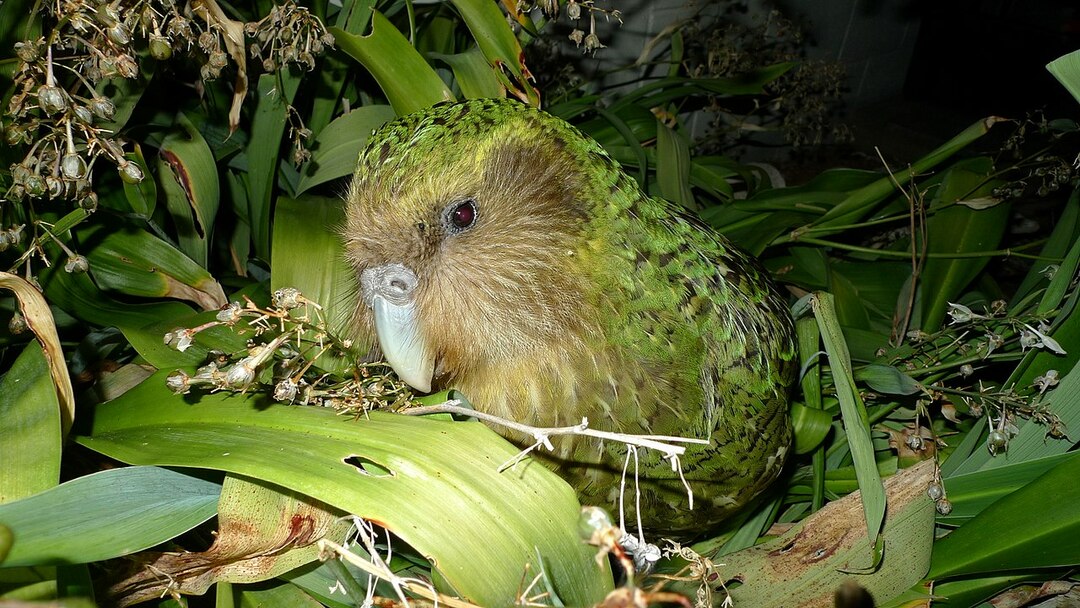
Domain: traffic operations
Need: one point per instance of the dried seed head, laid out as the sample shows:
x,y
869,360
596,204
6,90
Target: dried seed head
x,y
34,185
28,51
997,442
241,375
130,172
119,34
89,202
73,166
160,47
179,382
102,107
17,324
82,115
52,100
286,391
77,264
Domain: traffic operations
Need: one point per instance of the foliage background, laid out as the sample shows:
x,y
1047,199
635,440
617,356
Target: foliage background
x,y
916,347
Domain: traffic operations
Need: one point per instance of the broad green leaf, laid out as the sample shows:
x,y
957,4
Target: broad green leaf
x,y
30,434
1017,538
276,92
473,74
336,149
811,427
856,424
306,230
673,166
500,46
806,565
136,263
1062,239
1067,71
107,514
887,379
78,296
188,177
971,493
958,229
408,82
284,595
443,494
39,319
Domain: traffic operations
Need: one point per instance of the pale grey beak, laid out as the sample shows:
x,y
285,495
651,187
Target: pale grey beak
x,y
388,290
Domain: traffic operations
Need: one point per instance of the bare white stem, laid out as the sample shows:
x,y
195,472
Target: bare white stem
x,y
660,443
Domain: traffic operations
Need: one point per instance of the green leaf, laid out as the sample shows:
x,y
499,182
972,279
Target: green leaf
x,y
105,515
276,92
673,166
29,427
473,74
188,177
1067,71
1017,538
856,423
336,149
141,197
137,263
443,495
972,493
78,296
887,379
812,425
958,229
408,82
859,202
305,230
500,46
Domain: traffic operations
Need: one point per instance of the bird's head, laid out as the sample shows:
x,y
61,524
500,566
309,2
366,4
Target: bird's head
x,y
468,229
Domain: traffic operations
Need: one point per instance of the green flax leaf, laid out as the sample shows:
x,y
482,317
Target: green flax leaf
x,y
408,82
29,428
856,423
441,492
1019,539
105,515
336,149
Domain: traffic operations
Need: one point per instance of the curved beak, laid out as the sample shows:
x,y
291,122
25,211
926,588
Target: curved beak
x,y
388,290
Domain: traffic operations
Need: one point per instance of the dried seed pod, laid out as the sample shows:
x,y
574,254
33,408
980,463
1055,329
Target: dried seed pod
x,y
160,48
72,166
34,185
52,100
77,264
82,114
130,172
119,34
102,107
935,491
943,506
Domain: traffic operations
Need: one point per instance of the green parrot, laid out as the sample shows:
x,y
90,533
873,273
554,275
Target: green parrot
x,y
501,252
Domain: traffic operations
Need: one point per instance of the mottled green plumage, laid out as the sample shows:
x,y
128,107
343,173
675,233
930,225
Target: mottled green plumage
x,y
574,294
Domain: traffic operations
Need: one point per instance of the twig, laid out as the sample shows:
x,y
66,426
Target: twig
x,y
425,591
661,443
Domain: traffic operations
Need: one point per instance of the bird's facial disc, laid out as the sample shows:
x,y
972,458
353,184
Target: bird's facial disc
x,y
388,290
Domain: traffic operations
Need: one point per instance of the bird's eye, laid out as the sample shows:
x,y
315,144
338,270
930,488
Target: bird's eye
x,y
461,215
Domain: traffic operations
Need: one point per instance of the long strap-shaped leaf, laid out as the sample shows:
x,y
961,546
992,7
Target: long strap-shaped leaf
x,y
435,484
